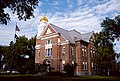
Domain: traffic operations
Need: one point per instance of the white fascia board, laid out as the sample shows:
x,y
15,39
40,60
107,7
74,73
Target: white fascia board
x,y
49,36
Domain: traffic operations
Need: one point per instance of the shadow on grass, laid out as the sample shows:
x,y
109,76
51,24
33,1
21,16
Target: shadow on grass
x,y
56,78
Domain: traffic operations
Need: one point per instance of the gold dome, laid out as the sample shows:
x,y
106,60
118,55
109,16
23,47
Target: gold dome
x,y
44,18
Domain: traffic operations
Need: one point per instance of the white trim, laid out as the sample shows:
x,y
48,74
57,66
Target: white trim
x,y
44,30
64,42
49,36
37,46
57,32
47,46
48,31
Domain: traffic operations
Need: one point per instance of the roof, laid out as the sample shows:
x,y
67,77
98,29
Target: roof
x,y
86,37
69,35
74,33
63,32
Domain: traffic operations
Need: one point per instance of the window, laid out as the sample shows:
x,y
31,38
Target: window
x,y
84,50
38,53
49,52
63,64
63,51
92,52
48,48
72,52
48,42
84,65
92,66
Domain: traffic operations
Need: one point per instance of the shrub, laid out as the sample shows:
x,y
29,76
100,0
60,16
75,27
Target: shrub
x,y
69,69
22,70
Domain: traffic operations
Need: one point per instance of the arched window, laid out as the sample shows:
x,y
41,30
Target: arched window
x,y
48,42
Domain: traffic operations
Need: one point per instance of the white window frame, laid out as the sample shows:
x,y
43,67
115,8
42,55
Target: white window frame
x,y
63,51
48,52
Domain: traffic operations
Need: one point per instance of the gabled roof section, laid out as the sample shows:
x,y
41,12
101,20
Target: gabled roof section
x,y
69,35
86,37
63,32
74,33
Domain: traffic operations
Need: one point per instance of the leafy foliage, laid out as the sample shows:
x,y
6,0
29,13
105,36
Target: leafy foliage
x,y
104,49
112,26
69,69
15,54
22,8
104,43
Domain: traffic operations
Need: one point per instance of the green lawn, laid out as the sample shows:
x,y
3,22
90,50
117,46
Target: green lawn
x,y
56,78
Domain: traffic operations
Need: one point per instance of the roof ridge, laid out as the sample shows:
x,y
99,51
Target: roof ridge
x,y
64,33
58,27
87,32
75,31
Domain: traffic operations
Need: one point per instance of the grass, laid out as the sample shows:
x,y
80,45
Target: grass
x,y
15,75
29,77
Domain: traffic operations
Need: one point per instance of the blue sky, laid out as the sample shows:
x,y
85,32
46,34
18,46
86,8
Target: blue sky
x,y
82,15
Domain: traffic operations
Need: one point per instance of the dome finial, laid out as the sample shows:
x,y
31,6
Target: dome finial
x,y
44,18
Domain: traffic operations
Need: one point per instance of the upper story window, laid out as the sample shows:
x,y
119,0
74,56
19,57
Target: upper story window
x,y
92,52
48,42
48,48
63,51
84,50
49,52
72,50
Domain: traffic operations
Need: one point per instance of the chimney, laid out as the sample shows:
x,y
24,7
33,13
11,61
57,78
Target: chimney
x,y
75,38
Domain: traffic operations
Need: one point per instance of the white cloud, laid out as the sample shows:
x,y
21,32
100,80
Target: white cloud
x,y
28,28
79,20
111,6
84,20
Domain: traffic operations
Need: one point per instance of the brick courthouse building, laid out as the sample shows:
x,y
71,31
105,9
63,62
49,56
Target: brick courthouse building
x,y
60,46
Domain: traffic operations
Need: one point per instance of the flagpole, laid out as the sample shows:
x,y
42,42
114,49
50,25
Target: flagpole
x,y
14,41
15,33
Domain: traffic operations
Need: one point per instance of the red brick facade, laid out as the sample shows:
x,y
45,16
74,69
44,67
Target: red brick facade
x,y
55,47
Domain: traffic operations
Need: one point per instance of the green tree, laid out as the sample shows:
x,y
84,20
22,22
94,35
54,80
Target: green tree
x,y
15,54
30,64
1,57
5,52
22,8
112,27
105,53
25,47
104,43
